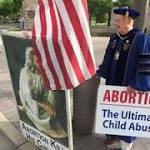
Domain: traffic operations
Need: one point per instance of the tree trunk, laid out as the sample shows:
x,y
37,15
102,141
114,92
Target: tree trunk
x,y
109,18
142,6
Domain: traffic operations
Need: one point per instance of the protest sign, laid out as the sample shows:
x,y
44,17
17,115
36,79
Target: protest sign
x,y
122,113
43,116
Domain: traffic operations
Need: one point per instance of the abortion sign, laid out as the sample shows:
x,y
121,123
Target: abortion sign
x,y
122,113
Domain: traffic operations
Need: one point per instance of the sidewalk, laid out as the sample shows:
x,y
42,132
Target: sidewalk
x,y
10,135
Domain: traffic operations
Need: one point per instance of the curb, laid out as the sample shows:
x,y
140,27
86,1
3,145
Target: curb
x,y
10,131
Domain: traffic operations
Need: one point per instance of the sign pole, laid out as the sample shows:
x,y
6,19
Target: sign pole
x,y
68,108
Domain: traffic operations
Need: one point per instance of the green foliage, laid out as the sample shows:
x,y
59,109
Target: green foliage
x,y
124,3
17,4
6,7
10,7
99,9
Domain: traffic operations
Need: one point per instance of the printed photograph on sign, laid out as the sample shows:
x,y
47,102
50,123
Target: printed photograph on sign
x,y
42,112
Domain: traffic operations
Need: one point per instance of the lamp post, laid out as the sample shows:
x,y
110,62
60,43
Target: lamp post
x,y
142,7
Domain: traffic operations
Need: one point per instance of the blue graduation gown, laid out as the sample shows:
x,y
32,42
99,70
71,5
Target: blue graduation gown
x,y
127,62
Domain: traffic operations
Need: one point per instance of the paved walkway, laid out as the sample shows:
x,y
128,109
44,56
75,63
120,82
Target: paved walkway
x,y
10,136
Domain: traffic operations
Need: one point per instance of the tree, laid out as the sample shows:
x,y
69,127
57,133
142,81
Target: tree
x,y
124,3
91,5
6,7
99,9
17,5
10,7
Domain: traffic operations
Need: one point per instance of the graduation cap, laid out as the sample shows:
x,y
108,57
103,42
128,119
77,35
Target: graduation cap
x,y
126,11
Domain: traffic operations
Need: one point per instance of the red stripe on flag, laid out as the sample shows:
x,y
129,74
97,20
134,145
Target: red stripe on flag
x,y
44,41
57,47
84,3
39,59
71,55
80,35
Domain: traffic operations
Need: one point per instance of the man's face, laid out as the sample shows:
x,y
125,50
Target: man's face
x,y
120,23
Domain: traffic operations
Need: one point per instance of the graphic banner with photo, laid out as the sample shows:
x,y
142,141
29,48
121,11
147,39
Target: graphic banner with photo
x,y
122,113
43,116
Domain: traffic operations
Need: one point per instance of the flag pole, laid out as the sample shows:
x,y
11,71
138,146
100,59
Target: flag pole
x,y
69,118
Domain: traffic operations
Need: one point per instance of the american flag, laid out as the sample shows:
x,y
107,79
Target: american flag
x,y
62,43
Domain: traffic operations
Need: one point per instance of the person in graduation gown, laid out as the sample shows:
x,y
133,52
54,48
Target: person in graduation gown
x,y
126,62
